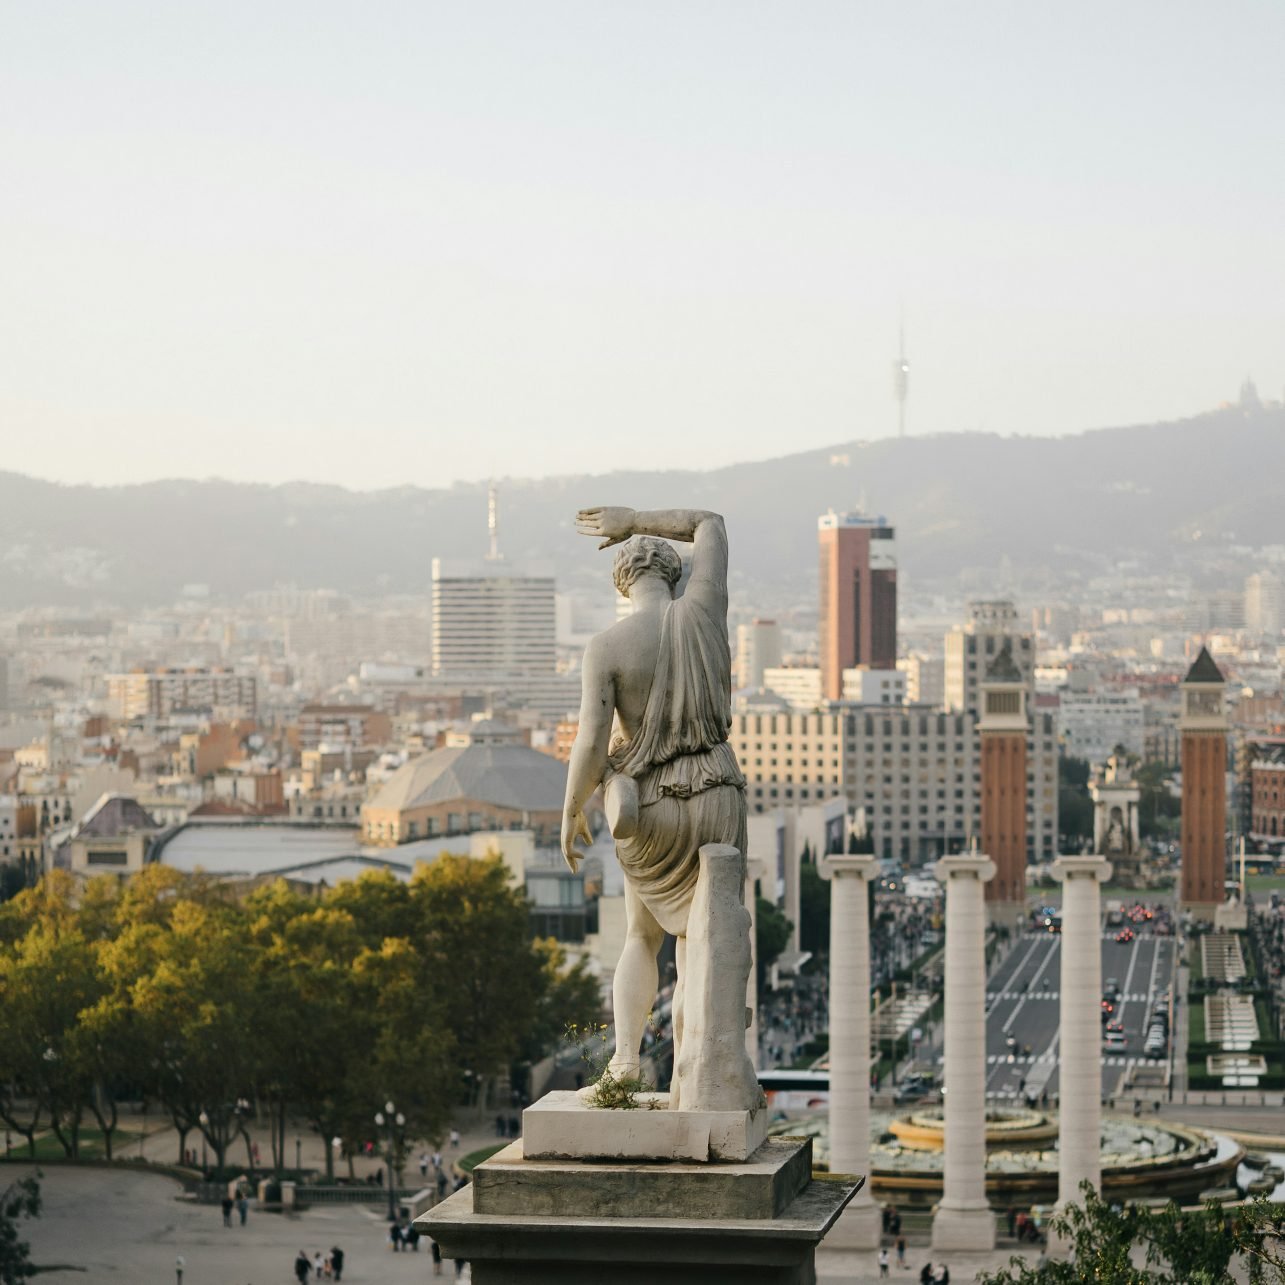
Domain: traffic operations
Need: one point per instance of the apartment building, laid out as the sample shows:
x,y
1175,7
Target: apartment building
x,y
158,693
916,772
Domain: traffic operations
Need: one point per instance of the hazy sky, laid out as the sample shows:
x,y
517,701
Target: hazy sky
x,y
384,243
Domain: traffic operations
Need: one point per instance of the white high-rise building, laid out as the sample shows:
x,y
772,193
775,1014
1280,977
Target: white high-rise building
x,y
490,619
971,648
758,647
1264,599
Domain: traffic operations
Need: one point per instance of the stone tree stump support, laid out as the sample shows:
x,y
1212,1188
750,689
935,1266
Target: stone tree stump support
x,y
1080,1073
964,1220
850,879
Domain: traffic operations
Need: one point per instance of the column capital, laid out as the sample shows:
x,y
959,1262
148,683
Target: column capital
x,y
1087,867
973,864
839,864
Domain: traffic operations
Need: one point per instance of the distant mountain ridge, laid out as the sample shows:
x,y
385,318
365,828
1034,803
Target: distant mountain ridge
x,y
959,501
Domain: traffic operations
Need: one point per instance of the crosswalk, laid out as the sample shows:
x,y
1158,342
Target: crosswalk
x,y
1032,1059
1134,997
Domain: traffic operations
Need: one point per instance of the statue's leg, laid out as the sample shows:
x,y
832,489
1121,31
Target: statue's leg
x,y
633,989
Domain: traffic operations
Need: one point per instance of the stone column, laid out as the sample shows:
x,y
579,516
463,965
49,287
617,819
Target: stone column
x,y
753,872
1080,1072
850,878
964,1220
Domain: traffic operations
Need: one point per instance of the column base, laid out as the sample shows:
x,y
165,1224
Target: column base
x,y
860,1226
970,1227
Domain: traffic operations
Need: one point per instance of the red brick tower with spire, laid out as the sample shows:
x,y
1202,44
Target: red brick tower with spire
x,y
1003,729
1203,724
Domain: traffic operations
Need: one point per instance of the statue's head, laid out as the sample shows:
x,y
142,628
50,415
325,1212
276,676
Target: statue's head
x,y
644,555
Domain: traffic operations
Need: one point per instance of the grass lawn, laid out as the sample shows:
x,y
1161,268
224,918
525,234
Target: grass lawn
x,y
91,1145
474,1158
1263,884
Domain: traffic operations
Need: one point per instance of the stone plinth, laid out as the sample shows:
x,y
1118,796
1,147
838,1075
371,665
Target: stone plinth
x,y
562,1127
524,1222
762,1187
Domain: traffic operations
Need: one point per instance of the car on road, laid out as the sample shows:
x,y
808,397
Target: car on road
x,y
912,1088
1124,936
1114,1042
1112,988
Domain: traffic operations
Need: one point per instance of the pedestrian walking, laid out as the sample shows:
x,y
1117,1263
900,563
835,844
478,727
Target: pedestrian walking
x,y
337,1262
926,1274
460,1265
242,1207
1011,1215
301,1267
319,1265
227,1211
901,1252
883,1264
455,1137
437,1257
423,1164
395,1236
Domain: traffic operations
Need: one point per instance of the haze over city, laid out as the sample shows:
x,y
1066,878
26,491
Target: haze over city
x,y
435,242
642,643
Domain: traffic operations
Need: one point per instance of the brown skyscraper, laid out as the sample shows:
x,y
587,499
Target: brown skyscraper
x,y
1003,731
1203,725
858,608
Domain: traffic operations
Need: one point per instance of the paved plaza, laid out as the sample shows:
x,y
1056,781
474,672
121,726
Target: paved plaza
x,y
112,1225
104,1225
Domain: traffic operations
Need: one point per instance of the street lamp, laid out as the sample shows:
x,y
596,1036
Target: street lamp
x,y
298,1163
204,1121
388,1119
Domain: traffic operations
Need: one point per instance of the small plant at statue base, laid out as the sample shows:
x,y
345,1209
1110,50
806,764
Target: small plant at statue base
x,y
610,1091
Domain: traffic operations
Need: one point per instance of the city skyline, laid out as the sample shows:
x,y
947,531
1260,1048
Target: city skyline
x,y
482,242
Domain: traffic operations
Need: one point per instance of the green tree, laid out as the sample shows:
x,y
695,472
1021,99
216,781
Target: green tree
x,y
1178,1247
814,910
473,926
1159,810
18,1201
771,937
1074,803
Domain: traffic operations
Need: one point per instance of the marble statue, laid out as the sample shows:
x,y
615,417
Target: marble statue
x,y
654,720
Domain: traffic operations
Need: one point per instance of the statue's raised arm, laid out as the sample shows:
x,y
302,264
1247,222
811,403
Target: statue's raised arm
x,y
699,527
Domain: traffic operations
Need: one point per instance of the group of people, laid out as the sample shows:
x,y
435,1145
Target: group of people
x,y
321,1266
508,1126
934,1274
241,1204
1024,1227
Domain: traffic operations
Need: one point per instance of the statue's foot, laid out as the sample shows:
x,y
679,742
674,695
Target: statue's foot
x,y
618,1069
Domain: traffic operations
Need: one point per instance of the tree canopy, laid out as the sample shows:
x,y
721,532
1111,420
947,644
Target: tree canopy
x,y
1176,1246
171,989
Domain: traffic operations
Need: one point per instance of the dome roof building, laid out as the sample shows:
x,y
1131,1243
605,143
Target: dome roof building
x,y
485,778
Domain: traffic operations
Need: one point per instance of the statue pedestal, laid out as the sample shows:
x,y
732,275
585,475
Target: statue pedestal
x,y
686,1223
560,1126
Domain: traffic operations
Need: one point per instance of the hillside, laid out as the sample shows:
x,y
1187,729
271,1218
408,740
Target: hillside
x,y
960,501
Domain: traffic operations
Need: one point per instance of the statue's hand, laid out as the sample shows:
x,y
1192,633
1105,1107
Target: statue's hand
x,y
611,525
574,827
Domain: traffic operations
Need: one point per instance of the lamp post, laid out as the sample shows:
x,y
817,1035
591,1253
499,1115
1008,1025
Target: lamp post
x,y
389,1119
204,1121
298,1162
